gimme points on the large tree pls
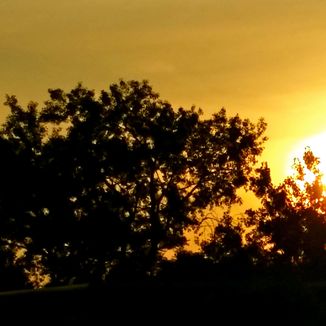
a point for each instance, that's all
(98, 182)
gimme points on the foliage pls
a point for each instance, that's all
(97, 183)
(291, 223)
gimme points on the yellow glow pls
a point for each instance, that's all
(317, 144)
(256, 58)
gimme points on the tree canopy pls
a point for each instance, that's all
(94, 182)
(97, 186)
(292, 219)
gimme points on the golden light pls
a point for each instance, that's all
(317, 144)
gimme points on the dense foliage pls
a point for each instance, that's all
(97, 187)
(292, 219)
(93, 184)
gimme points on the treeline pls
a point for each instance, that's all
(98, 187)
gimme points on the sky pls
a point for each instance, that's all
(257, 58)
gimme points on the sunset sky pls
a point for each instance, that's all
(258, 58)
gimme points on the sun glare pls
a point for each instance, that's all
(317, 144)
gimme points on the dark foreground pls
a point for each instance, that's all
(152, 303)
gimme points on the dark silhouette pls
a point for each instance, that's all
(292, 219)
(101, 184)
(95, 188)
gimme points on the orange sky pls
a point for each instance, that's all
(254, 57)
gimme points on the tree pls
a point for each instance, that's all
(226, 247)
(292, 221)
(111, 181)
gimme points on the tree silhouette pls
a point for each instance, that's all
(227, 249)
(95, 184)
(292, 220)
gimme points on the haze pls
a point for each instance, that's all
(253, 57)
